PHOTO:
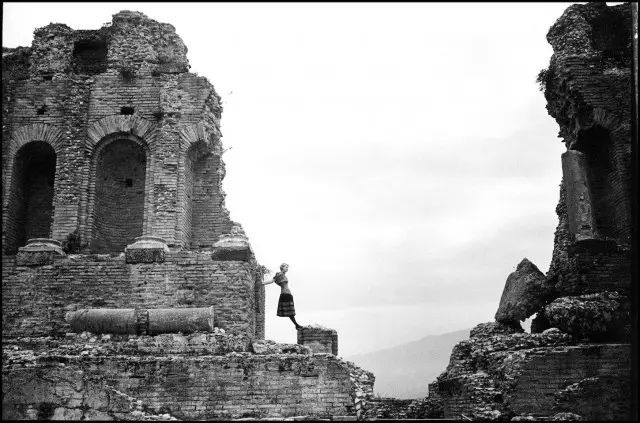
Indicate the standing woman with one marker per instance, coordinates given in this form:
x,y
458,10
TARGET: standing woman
x,y
285,302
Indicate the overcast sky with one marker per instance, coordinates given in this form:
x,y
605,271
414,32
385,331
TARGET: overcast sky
x,y
398,156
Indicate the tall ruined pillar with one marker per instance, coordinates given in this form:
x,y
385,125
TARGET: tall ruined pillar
x,y
582,222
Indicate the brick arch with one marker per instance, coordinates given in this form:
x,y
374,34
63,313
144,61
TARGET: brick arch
x,y
191,134
90,209
202,216
121,125
606,120
37,132
29,203
20,138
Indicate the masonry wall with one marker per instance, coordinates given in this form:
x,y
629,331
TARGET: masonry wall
x,y
543,377
546,375
36,298
119,196
186,387
128,79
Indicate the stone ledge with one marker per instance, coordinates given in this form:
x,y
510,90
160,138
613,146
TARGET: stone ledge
x,y
39,251
232,247
146,249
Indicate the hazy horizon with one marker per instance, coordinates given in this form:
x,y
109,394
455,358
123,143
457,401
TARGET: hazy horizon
x,y
398,156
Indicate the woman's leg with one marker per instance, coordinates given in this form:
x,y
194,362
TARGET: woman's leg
x,y
293,319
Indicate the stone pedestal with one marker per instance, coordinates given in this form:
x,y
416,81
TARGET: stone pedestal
x,y
146,249
232,247
319,339
39,251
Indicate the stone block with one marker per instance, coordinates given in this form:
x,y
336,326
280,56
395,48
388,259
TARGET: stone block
x,y
232,247
485,330
523,294
39,251
146,249
319,339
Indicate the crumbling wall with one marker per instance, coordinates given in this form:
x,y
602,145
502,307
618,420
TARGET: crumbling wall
x,y
76,90
36,298
580,337
201,376
499,373
545,376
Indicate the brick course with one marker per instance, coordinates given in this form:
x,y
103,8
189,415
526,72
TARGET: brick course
x,y
36,298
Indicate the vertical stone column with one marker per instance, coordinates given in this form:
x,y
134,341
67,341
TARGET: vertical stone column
x,y
319,339
582,222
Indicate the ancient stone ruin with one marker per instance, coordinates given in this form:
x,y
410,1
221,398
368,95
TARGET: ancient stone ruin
x,y
127,290
576,362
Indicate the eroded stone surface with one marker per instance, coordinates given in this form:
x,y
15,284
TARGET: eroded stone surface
x,y
523,294
602,316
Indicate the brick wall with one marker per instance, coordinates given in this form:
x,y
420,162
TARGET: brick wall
x,y
319,339
35,299
119,196
547,374
186,387
84,100
207,226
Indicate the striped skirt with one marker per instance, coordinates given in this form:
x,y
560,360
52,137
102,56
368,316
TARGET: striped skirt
x,y
285,306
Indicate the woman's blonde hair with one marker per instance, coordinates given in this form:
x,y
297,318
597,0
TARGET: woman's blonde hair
x,y
283,265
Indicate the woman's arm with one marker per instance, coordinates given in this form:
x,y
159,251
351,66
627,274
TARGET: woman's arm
x,y
268,282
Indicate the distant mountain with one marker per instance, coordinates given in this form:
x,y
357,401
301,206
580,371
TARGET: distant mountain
x,y
405,371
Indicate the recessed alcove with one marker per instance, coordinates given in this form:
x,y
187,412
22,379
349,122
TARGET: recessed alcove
x,y
31,196
119,196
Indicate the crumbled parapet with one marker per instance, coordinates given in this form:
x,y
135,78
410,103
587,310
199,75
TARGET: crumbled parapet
x,y
487,338
362,391
566,417
391,408
264,347
480,398
484,368
494,328
523,295
598,317
426,408
86,343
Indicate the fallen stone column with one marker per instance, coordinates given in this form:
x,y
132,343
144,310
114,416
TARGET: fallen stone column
x,y
185,320
103,320
142,321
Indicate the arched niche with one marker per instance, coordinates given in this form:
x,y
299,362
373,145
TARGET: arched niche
x,y
30,204
118,192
